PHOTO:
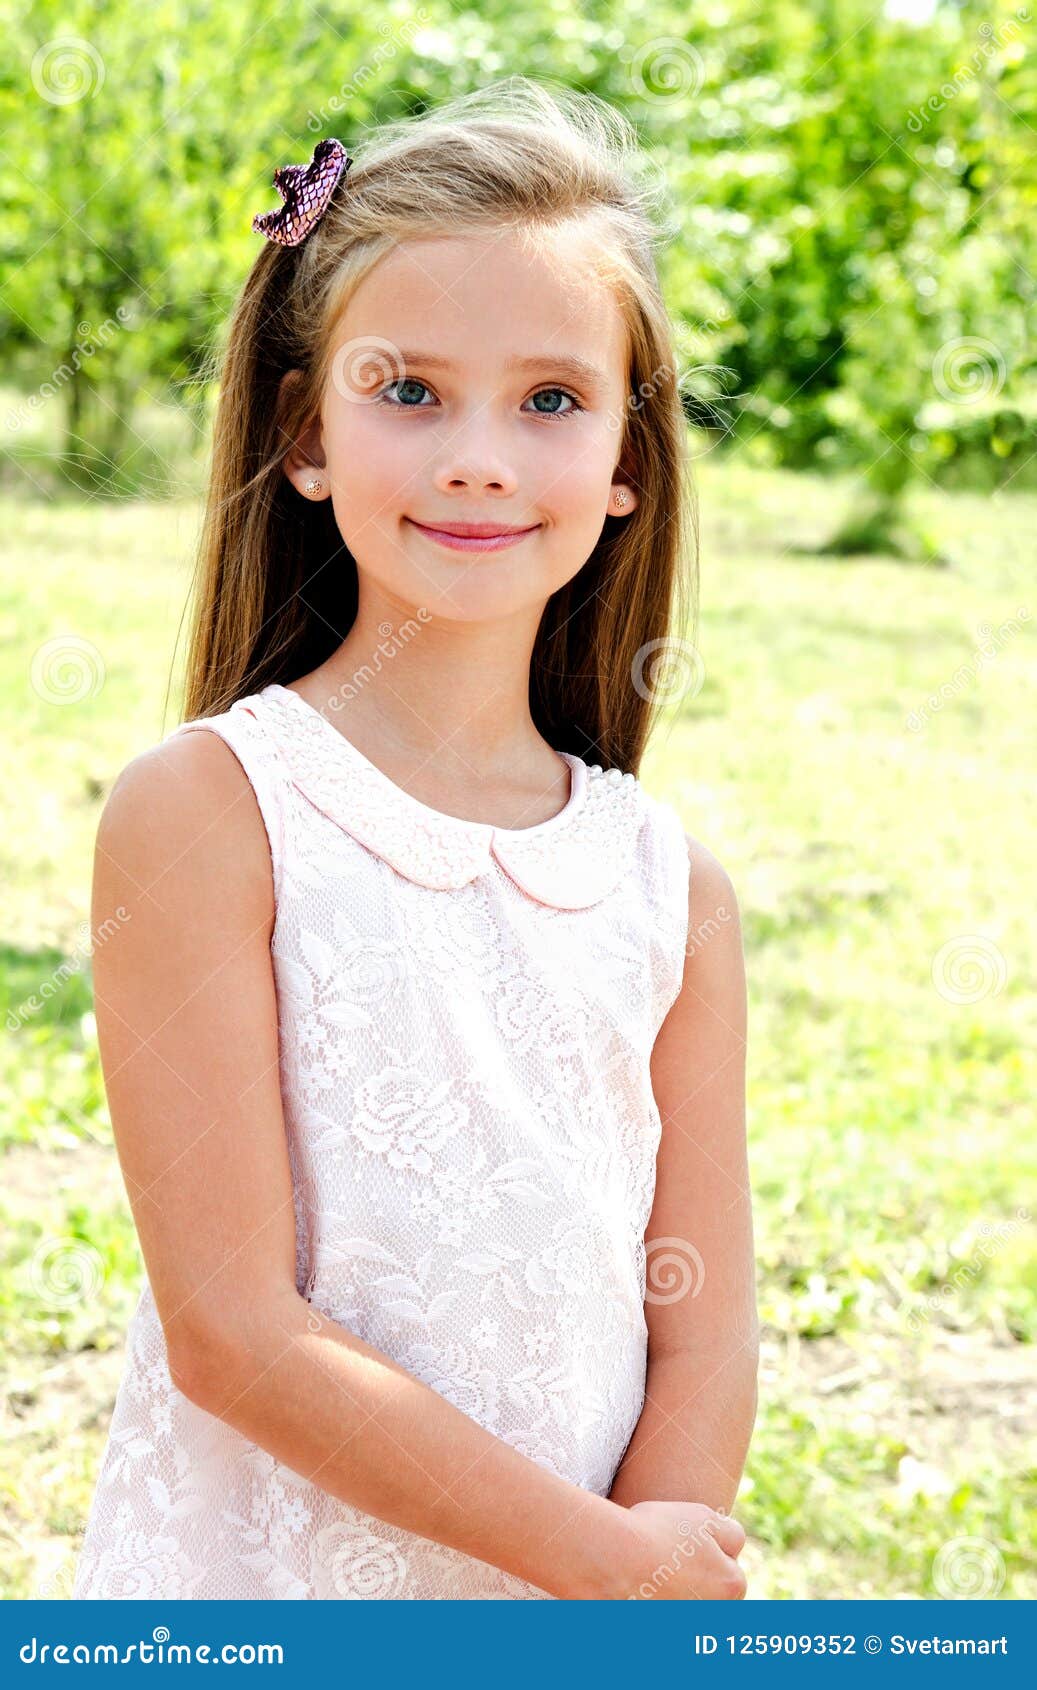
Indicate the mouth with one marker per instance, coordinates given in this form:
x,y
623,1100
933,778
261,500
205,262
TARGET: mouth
x,y
474,536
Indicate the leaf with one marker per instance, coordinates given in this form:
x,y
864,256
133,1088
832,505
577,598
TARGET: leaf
x,y
480,1261
512,1294
339,1248
404,1311
319,954
158,1493
511,1170
528,1194
294,981
344,1014
537,1279
187,1506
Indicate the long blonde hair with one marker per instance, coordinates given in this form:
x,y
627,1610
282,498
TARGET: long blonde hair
x,y
275,589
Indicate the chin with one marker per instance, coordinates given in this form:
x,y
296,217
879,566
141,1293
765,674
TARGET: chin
x,y
476,595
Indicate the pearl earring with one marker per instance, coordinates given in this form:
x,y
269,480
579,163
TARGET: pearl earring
x,y
314,486
621,498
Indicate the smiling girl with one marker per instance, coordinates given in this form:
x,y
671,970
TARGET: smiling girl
x,y
424,1042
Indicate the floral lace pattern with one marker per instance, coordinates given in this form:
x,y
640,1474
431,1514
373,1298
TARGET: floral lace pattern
x,y
466,1016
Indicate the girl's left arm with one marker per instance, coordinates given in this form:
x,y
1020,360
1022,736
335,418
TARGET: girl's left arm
x,y
691,1440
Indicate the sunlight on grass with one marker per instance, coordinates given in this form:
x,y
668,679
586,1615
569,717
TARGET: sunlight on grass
x,y
859,757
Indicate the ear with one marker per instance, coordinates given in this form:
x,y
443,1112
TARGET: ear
x,y
623,494
304,459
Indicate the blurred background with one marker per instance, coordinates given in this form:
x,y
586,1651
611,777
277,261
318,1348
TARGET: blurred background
x,y
851,271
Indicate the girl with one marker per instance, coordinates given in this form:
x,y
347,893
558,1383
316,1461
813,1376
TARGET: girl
x,y
424,1037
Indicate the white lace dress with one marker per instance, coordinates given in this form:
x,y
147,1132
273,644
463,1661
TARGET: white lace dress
x,y
466,1016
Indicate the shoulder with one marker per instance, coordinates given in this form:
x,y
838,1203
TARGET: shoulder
x,y
705,1029
181,819
693,874
712,899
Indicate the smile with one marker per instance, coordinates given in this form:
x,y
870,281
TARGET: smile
x,y
475,542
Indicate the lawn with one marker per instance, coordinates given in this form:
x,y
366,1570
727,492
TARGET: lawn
x,y
860,757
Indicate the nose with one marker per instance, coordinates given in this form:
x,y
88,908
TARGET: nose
x,y
472,460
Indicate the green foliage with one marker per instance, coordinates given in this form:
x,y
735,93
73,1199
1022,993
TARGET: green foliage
x,y
851,196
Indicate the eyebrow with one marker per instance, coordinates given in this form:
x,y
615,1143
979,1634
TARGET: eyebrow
x,y
578,369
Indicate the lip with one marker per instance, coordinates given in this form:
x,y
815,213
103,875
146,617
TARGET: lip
x,y
475,536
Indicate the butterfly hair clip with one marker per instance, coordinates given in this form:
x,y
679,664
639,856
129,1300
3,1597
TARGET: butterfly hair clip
x,y
306,190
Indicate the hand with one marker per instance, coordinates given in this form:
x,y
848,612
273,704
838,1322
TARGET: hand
x,y
687,1553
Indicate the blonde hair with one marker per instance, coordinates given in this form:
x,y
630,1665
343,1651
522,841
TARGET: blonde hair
x,y
275,589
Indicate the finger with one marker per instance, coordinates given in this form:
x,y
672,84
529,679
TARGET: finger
x,y
727,1533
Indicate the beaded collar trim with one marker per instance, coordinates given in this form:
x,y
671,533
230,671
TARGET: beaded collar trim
x,y
572,860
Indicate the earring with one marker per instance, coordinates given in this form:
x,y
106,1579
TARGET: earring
x,y
621,498
314,486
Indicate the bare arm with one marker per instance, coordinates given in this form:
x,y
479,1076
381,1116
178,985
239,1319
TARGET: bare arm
x,y
187,1024
691,1441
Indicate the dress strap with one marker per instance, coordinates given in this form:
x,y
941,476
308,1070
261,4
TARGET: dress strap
x,y
239,728
670,875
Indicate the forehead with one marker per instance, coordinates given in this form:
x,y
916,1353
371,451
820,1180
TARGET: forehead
x,y
481,298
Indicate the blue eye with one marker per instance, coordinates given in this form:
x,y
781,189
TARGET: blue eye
x,y
405,381
575,403
401,404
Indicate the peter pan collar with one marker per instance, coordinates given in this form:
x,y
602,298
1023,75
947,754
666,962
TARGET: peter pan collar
x,y
571,861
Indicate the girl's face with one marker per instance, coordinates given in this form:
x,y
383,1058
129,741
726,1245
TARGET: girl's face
x,y
474,380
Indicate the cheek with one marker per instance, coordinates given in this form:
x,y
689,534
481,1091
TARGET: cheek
x,y
373,460
576,470
382,461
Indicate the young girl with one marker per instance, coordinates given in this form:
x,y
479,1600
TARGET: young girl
x,y
424,1035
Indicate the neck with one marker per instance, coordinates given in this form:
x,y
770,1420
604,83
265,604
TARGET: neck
x,y
427,686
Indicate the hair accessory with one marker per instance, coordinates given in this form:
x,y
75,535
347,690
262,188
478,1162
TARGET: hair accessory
x,y
306,190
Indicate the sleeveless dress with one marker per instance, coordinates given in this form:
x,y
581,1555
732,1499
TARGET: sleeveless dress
x,y
466,1015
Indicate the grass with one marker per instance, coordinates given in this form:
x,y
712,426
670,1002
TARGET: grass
x,y
859,757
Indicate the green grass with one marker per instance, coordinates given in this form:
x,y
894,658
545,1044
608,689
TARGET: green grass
x,y
891,1119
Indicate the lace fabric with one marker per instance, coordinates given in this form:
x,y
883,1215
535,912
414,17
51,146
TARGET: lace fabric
x,y
466,1016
